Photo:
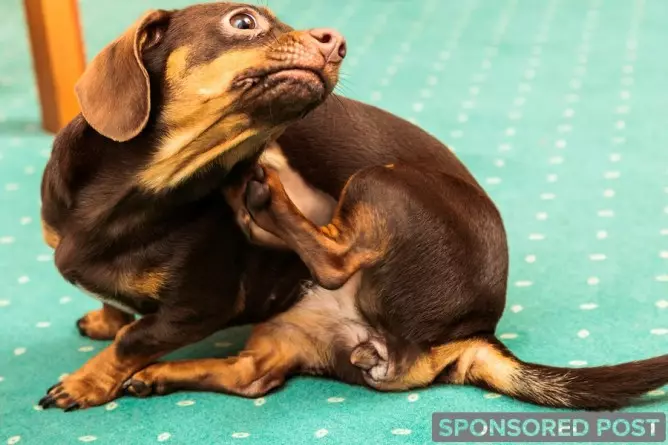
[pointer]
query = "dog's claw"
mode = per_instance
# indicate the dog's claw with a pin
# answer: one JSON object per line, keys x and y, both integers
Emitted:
{"x": 136, "y": 388}
{"x": 72, "y": 407}
{"x": 80, "y": 328}
{"x": 52, "y": 387}
{"x": 46, "y": 402}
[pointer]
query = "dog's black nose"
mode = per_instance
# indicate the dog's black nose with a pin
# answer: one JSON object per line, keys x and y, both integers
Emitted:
{"x": 331, "y": 43}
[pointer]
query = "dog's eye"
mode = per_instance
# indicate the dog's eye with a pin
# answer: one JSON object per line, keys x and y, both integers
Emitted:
{"x": 242, "y": 21}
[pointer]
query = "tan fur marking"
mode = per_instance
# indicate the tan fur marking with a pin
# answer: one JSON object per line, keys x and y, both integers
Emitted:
{"x": 203, "y": 119}
{"x": 149, "y": 283}
{"x": 330, "y": 230}
{"x": 170, "y": 171}
{"x": 331, "y": 259}
{"x": 205, "y": 91}
{"x": 298, "y": 327}
{"x": 176, "y": 64}
{"x": 367, "y": 222}
{"x": 497, "y": 370}
{"x": 428, "y": 366}
{"x": 292, "y": 345}
{"x": 50, "y": 235}
{"x": 476, "y": 360}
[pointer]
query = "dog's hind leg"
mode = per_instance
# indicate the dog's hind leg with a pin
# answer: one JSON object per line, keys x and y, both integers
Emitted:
{"x": 355, "y": 238}
{"x": 270, "y": 355}
{"x": 431, "y": 247}
{"x": 316, "y": 336}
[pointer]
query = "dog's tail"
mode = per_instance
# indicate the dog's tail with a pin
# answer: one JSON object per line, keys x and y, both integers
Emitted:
{"x": 487, "y": 363}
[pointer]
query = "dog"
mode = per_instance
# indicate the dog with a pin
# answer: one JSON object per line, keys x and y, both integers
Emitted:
{"x": 213, "y": 179}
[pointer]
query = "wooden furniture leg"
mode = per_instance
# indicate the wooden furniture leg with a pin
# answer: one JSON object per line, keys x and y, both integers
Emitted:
{"x": 58, "y": 57}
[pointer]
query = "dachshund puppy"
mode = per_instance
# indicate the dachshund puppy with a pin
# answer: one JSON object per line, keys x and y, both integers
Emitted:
{"x": 131, "y": 195}
{"x": 361, "y": 247}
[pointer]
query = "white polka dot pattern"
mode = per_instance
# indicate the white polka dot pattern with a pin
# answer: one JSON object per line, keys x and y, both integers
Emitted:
{"x": 555, "y": 106}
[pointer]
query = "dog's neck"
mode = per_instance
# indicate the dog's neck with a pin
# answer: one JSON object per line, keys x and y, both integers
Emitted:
{"x": 93, "y": 184}
{"x": 182, "y": 154}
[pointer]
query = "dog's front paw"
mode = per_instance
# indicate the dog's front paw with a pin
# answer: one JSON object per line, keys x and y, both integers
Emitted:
{"x": 79, "y": 391}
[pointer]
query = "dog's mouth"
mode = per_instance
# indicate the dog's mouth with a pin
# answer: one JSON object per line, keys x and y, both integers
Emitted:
{"x": 306, "y": 76}
{"x": 283, "y": 93}
{"x": 267, "y": 79}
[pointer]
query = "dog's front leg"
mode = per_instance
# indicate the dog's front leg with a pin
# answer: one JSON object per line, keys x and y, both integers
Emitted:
{"x": 136, "y": 345}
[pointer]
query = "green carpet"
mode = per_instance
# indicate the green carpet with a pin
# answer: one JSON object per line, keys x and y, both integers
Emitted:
{"x": 558, "y": 107}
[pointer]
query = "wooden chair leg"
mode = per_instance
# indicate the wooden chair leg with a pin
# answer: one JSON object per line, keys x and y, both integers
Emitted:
{"x": 58, "y": 57}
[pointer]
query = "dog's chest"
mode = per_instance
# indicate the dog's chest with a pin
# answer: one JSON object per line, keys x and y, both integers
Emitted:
{"x": 119, "y": 303}
{"x": 128, "y": 273}
{"x": 132, "y": 289}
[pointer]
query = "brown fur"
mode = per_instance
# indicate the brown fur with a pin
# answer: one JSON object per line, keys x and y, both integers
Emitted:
{"x": 121, "y": 63}
{"x": 368, "y": 237}
{"x": 408, "y": 278}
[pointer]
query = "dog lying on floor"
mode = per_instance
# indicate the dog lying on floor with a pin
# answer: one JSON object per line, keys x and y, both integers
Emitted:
{"x": 212, "y": 180}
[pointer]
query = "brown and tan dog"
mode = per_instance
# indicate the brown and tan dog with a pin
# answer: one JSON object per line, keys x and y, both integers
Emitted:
{"x": 399, "y": 285}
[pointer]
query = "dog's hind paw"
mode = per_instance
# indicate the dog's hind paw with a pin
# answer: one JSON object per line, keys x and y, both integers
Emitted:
{"x": 374, "y": 361}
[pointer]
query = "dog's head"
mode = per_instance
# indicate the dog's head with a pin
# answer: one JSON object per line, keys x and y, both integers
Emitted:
{"x": 205, "y": 81}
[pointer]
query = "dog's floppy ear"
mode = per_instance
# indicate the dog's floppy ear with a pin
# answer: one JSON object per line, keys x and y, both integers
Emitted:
{"x": 114, "y": 92}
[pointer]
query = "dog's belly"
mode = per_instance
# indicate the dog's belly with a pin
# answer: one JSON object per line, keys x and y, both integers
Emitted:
{"x": 335, "y": 326}
{"x": 336, "y": 312}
